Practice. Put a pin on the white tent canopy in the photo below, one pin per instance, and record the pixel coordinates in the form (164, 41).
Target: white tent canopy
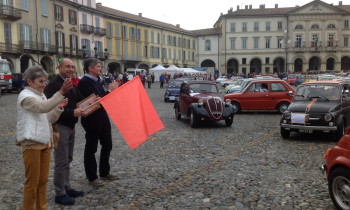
(159, 67)
(191, 71)
(170, 70)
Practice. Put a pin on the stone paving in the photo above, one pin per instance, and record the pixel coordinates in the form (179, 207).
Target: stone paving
(245, 166)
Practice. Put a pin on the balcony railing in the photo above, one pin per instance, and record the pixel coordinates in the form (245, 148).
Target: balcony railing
(8, 12)
(100, 31)
(47, 48)
(10, 48)
(28, 45)
(86, 28)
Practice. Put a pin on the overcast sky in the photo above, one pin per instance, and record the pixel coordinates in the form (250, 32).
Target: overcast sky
(195, 14)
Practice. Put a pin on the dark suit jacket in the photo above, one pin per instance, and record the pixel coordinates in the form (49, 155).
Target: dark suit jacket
(67, 117)
(87, 87)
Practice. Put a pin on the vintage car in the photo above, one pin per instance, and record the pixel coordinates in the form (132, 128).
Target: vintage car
(337, 169)
(291, 78)
(201, 102)
(262, 95)
(221, 78)
(173, 89)
(322, 106)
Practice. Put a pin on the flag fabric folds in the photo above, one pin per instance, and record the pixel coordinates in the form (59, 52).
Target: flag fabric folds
(132, 112)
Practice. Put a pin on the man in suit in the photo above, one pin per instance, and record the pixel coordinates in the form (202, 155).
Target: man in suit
(65, 194)
(97, 125)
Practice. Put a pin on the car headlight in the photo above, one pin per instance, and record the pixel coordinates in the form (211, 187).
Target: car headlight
(328, 117)
(200, 102)
(227, 101)
(287, 116)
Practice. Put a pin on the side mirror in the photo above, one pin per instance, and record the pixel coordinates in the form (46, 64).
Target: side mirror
(290, 93)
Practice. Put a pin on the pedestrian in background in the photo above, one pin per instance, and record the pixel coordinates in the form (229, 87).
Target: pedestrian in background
(149, 80)
(34, 132)
(97, 125)
(65, 194)
(75, 79)
(161, 79)
(153, 77)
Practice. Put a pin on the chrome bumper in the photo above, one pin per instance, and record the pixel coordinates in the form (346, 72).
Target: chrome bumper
(323, 168)
(305, 127)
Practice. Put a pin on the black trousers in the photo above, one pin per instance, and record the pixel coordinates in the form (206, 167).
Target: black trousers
(161, 84)
(149, 84)
(97, 130)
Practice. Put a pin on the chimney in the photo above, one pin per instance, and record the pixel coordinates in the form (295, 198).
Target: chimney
(340, 3)
(178, 25)
(246, 6)
(98, 4)
(276, 6)
(237, 7)
(262, 6)
(140, 14)
(250, 6)
(221, 14)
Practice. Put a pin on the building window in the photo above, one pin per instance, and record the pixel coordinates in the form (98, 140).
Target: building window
(89, 3)
(267, 60)
(97, 22)
(244, 61)
(109, 29)
(174, 40)
(233, 44)
(145, 52)
(233, 27)
(299, 27)
(75, 1)
(72, 17)
(298, 40)
(244, 43)
(60, 41)
(279, 42)
(146, 35)
(73, 44)
(268, 27)
(44, 7)
(331, 26)
(188, 44)
(346, 24)
(158, 38)
(331, 41)
(58, 12)
(132, 33)
(256, 43)
(98, 49)
(279, 25)
(86, 43)
(207, 45)
(256, 26)
(346, 41)
(152, 37)
(45, 36)
(25, 5)
(125, 32)
(194, 44)
(314, 40)
(267, 42)
(244, 26)
(314, 27)
(138, 34)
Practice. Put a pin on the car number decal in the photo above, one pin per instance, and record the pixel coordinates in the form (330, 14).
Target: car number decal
(309, 106)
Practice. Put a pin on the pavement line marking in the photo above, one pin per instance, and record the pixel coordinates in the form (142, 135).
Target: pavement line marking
(172, 186)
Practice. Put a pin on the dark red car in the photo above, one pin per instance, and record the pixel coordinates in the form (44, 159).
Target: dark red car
(201, 102)
(262, 95)
(337, 168)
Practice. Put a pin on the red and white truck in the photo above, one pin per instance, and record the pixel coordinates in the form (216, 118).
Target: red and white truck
(5, 75)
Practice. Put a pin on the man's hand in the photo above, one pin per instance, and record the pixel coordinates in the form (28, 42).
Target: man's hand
(114, 85)
(67, 86)
(63, 103)
(78, 112)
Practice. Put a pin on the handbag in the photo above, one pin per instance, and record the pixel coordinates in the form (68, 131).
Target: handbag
(55, 134)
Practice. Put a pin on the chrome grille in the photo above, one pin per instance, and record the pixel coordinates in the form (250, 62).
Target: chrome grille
(215, 106)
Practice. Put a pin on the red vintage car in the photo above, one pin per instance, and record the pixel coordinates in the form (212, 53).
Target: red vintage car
(337, 168)
(262, 95)
(201, 102)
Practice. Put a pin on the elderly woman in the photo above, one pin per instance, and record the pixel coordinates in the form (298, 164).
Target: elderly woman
(34, 133)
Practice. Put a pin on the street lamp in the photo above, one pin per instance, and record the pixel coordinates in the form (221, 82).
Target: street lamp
(286, 41)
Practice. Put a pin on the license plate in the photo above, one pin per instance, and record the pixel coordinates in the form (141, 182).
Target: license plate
(171, 97)
(298, 118)
(305, 131)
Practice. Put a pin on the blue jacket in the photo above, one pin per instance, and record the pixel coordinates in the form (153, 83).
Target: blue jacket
(161, 78)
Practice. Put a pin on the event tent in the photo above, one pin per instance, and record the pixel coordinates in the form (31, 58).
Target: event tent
(170, 70)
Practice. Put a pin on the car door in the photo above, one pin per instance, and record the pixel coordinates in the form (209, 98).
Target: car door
(184, 98)
(256, 96)
(278, 92)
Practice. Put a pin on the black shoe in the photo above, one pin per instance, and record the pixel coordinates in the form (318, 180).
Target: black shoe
(64, 200)
(75, 193)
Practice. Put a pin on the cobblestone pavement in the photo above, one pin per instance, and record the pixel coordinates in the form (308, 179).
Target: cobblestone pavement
(245, 166)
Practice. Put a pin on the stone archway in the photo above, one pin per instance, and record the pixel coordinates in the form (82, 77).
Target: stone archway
(330, 64)
(255, 66)
(114, 67)
(26, 62)
(47, 64)
(345, 63)
(279, 65)
(298, 65)
(315, 63)
(232, 66)
(129, 65)
(143, 66)
(208, 63)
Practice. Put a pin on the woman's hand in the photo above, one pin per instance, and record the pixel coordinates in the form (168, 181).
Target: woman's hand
(114, 85)
(67, 86)
(63, 103)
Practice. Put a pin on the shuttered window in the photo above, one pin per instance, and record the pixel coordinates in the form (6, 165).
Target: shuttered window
(58, 12)
(117, 30)
(73, 44)
(60, 41)
(72, 17)
(25, 5)
(44, 7)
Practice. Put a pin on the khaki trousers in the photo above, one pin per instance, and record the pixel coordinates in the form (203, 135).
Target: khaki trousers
(37, 165)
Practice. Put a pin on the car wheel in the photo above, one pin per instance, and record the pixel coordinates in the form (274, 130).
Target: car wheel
(165, 99)
(177, 112)
(20, 89)
(285, 133)
(340, 131)
(282, 107)
(339, 187)
(229, 121)
(193, 119)
(236, 107)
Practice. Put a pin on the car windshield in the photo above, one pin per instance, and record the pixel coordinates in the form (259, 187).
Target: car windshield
(317, 91)
(174, 83)
(198, 88)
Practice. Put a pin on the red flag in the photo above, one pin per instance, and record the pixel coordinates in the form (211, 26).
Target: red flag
(132, 112)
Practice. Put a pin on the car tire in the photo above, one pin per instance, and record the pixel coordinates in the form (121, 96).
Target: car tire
(177, 112)
(339, 187)
(285, 133)
(236, 107)
(165, 99)
(340, 131)
(229, 122)
(282, 107)
(193, 119)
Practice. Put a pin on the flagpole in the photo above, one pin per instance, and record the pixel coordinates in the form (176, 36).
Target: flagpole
(96, 102)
